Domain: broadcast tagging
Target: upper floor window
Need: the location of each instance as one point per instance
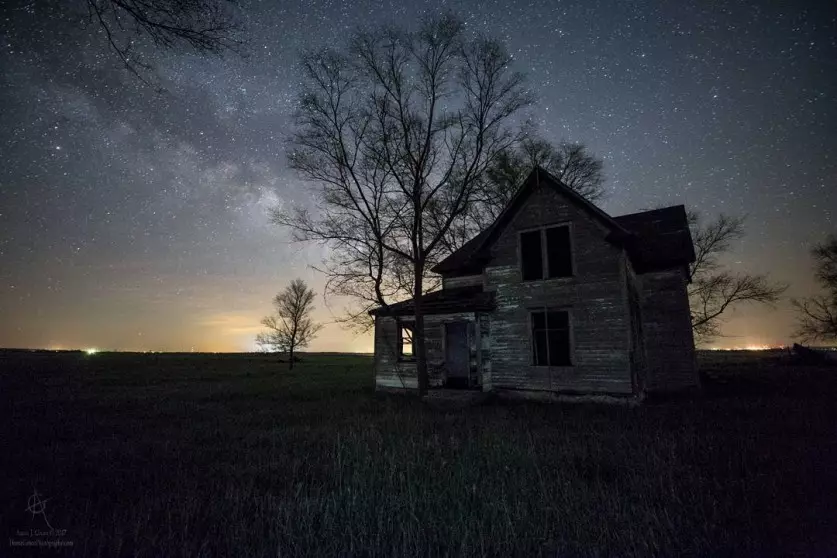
(546, 253)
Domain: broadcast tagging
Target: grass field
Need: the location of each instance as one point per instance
(232, 455)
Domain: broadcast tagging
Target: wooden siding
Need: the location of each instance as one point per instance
(463, 281)
(595, 296)
(389, 372)
(484, 342)
(638, 359)
(392, 373)
(669, 344)
(629, 333)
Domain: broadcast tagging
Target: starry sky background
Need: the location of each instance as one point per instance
(136, 220)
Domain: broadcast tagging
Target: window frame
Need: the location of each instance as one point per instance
(545, 252)
(399, 351)
(570, 336)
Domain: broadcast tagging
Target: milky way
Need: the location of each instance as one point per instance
(131, 219)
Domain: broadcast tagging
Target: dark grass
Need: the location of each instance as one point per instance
(232, 455)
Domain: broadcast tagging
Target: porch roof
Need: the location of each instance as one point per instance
(446, 301)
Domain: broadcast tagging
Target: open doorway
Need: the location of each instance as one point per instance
(457, 355)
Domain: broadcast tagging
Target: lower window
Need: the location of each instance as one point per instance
(551, 338)
(405, 341)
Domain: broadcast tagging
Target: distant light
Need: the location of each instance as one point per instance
(762, 347)
(748, 348)
(91, 351)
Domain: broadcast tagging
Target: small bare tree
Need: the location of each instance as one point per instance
(713, 290)
(291, 327)
(397, 129)
(203, 26)
(818, 314)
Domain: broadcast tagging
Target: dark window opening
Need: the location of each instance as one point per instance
(551, 338)
(559, 252)
(532, 255)
(546, 253)
(405, 341)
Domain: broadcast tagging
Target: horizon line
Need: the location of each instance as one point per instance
(91, 350)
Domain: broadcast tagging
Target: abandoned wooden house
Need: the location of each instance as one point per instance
(555, 296)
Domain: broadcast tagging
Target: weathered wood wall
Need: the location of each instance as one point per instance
(630, 332)
(463, 281)
(667, 328)
(596, 297)
(485, 342)
(637, 356)
(392, 373)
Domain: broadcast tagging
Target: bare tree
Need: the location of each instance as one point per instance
(570, 162)
(291, 327)
(203, 26)
(818, 314)
(713, 290)
(397, 130)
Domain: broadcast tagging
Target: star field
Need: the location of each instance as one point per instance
(131, 219)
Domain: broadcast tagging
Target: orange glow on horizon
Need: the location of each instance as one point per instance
(748, 348)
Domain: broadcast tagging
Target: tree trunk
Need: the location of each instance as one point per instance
(418, 334)
(291, 358)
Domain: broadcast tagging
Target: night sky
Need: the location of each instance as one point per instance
(136, 220)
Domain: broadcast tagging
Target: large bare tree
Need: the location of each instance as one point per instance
(397, 130)
(571, 162)
(713, 289)
(290, 327)
(203, 26)
(818, 314)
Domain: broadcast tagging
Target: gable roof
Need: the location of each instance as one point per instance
(474, 252)
(459, 299)
(655, 239)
